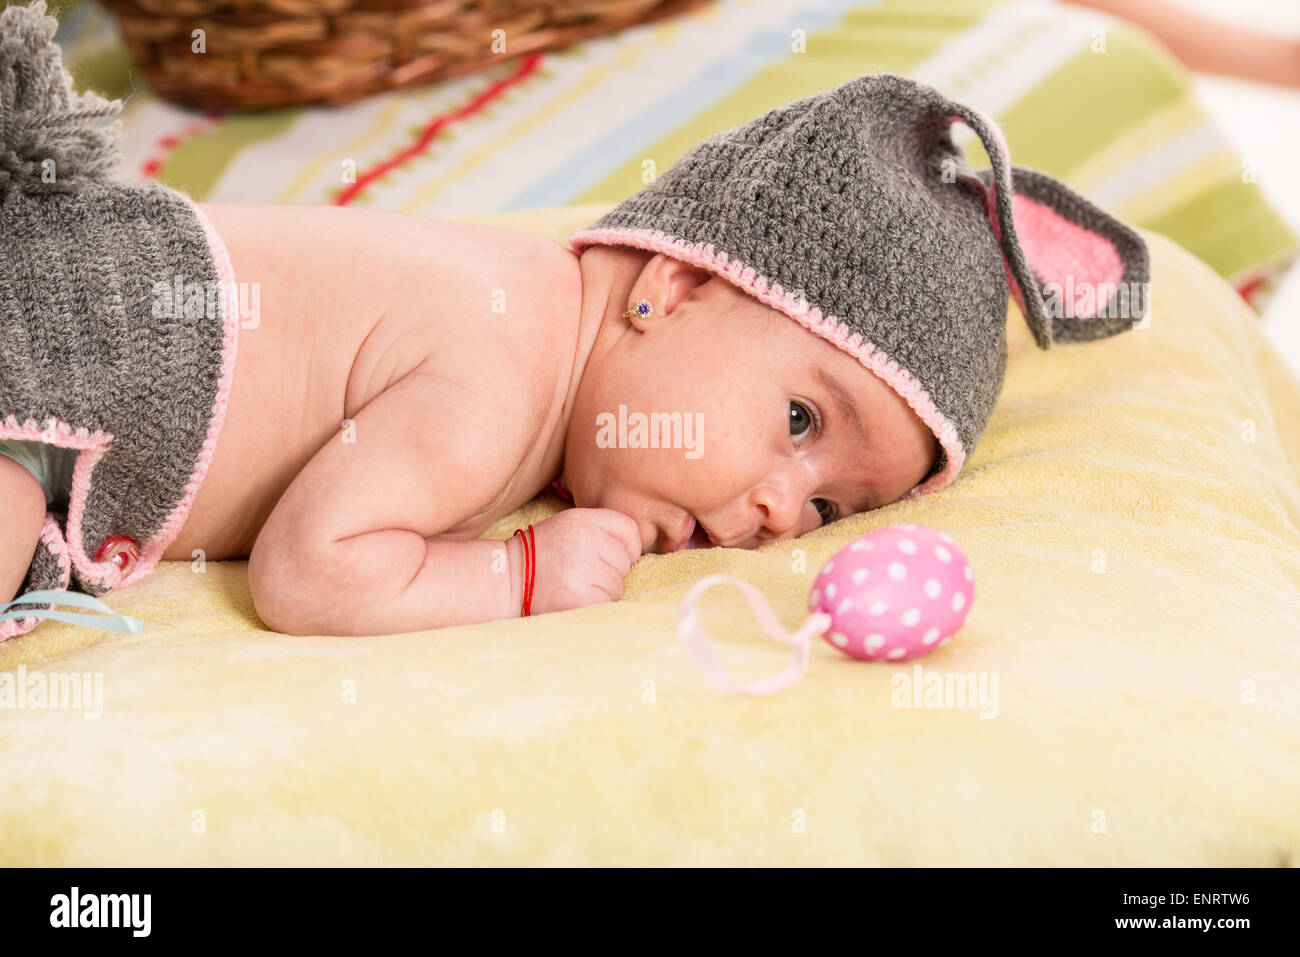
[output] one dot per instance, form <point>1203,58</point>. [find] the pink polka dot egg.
<point>895,593</point>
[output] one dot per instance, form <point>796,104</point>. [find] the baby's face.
<point>771,430</point>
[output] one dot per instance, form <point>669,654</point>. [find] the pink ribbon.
<point>697,642</point>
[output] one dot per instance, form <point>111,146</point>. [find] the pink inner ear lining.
<point>1056,248</point>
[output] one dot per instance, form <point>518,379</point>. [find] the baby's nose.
<point>779,508</point>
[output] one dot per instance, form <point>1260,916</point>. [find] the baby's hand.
<point>582,556</point>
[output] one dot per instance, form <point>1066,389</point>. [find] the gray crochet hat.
<point>853,212</point>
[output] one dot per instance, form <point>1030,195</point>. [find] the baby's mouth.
<point>699,537</point>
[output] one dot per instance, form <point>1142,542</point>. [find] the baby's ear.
<point>1080,272</point>
<point>675,279</point>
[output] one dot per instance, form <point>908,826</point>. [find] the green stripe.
<point>1087,102</point>
<point>1230,227</point>
<point>195,166</point>
<point>888,37</point>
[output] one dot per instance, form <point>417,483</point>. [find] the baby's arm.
<point>350,550</point>
<point>344,551</point>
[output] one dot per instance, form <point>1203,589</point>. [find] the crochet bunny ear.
<point>1076,272</point>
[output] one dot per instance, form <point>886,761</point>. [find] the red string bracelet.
<point>558,489</point>
<point>532,575</point>
<point>530,568</point>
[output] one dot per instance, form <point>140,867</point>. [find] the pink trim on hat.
<point>831,328</point>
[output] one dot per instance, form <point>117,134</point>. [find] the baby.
<point>804,318</point>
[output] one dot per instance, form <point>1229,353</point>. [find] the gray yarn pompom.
<point>51,140</point>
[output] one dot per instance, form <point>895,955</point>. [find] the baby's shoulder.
<point>495,323</point>
<point>504,302</point>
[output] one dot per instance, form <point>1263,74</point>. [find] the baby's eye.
<point>802,421</point>
<point>825,509</point>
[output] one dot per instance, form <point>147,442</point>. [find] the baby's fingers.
<point>623,529</point>
<point>609,584</point>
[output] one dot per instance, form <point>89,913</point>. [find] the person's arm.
<point>347,549</point>
<point>1210,45</point>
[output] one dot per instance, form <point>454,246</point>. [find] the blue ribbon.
<point>114,622</point>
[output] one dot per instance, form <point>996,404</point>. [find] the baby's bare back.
<point>338,305</point>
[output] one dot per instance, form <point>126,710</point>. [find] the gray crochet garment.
<point>91,356</point>
<point>852,212</point>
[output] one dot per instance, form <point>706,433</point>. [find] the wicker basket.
<point>268,53</point>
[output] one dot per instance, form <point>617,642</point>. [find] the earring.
<point>642,309</point>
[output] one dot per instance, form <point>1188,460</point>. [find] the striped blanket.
<point>1080,95</point>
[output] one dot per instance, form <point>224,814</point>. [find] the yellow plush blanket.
<point>1133,517</point>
